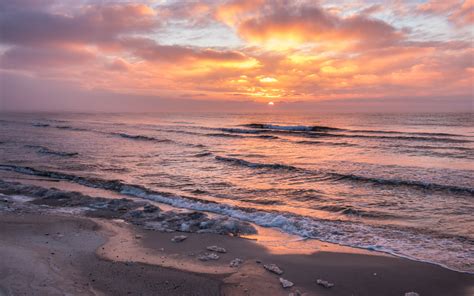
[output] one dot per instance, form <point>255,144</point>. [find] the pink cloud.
<point>44,58</point>
<point>90,24</point>
<point>460,13</point>
<point>464,15</point>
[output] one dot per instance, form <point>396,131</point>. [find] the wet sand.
<point>51,254</point>
<point>56,255</point>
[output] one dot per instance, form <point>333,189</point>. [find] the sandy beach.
<point>46,253</point>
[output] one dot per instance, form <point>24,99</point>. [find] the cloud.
<point>30,57</point>
<point>286,51</point>
<point>93,24</point>
<point>287,24</point>
<point>372,9</point>
<point>118,64</point>
<point>460,13</point>
<point>150,50</point>
<point>464,15</point>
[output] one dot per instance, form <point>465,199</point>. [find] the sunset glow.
<point>242,50</point>
<point>237,147</point>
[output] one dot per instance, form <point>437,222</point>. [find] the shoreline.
<point>146,256</point>
<point>92,192</point>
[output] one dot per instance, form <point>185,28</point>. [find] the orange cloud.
<point>289,50</point>
<point>231,12</point>
<point>287,25</point>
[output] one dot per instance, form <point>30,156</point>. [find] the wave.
<point>459,148</point>
<point>241,131</point>
<point>113,185</point>
<point>140,137</point>
<point>222,135</point>
<point>63,127</point>
<point>327,143</point>
<point>225,135</point>
<point>406,133</point>
<point>45,150</point>
<point>325,131</point>
<point>249,164</point>
<point>407,138</point>
<point>338,177</point>
<point>352,211</point>
<point>295,128</point>
<point>77,129</point>
<point>456,250</point>
<point>408,183</point>
<point>40,124</point>
<point>127,136</point>
<point>203,154</point>
<point>263,201</point>
<point>267,137</point>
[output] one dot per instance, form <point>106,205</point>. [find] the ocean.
<point>396,183</point>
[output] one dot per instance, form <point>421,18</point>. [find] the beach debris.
<point>324,283</point>
<point>138,236</point>
<point>258,261</point>
<point>236,262</point>
<point>411,294</point>
<point>295,293</point>
<point>145,214</point>
<point>273,268</point>
<point>185,227</point>
<point>179,238</point>
<point>194,222</point>
<point>208,257</point>
<point>286,283</point>
<point>216,249</point>
<point>234,226</point>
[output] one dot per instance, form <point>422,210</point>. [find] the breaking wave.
<point>325,131</point>
<point>295,128</point>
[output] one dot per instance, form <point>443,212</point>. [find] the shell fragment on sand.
<point>324,283</point>
<point>216,249</point>
<point>412,294</point>
<point>273,268</point>
<point>285,283</point>
<point>179,238</point>
<point>208,257</point>
<point>236,262</point>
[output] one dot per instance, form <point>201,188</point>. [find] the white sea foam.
<point>449,252</point>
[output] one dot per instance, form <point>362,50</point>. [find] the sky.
<point>212,55</point>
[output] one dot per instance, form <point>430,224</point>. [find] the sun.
<point>271,103</point>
